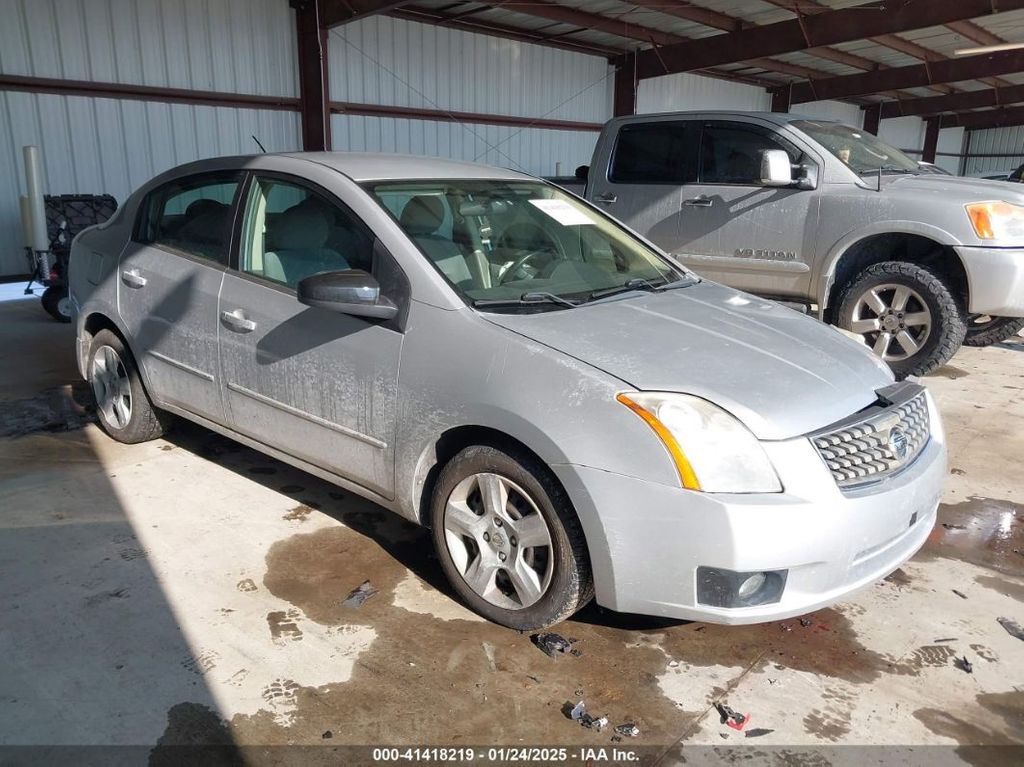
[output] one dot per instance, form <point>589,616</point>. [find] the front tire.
<point>508,538</point>
<point>906,314</point>
<point>983,330</point>
<point>123,407</point>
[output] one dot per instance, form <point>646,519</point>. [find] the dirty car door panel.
<point>315,383</point>
<point>168,280</point>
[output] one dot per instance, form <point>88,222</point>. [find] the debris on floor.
<point>327,735</point>
<point>944,639</point>
<point>554,645</point>
<point>732,718</point>
<point>757,732</point>
<point>805,622</point>
<point>360,594</point>
<point>960,594</point>
<point>578,713</point>
<point>628,729</point>
<point>950,526</point>
<point>1012,628</point>
<point>963,664</point>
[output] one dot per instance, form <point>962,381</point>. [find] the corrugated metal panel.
<point>530,150</point>
<point>383,60</point>
<point>903,132</point>
<point>951,141</point>
<point>239,46</point>
<point>851,114</point>
<point>94,146</point>
<point>684,91</point>
<point>999,141</point>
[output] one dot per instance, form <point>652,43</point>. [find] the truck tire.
<point>484,498</point>
<point>57,303</point>
<point>983,330</point>
<point>906,314</point>
<point>123,407</point>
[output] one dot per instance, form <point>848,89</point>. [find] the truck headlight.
<point>996,220</point>
<point>712,451</point>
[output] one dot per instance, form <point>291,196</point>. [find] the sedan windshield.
<point>860,150</point>
<point>522,246</point>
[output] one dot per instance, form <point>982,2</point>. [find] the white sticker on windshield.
<point>563,212</point>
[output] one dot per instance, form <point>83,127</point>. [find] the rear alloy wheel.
<point>124,409</point>
<point>508,540</point>
<point>984,330</point>
<point>906,314</point>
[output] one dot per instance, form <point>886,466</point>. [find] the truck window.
<point>653,153</point>
<point>730,153</point>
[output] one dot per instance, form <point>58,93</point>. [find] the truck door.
<point>641,182</point>
<point>737,231</point>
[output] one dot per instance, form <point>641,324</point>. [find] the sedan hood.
<point>781,373</point>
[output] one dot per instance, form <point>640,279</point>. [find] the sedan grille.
<point>879,441</point>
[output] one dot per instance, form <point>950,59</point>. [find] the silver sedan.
<point>573,414</point>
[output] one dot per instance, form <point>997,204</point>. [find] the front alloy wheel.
<point>498,541</point>
<point>894,320</point>
<point>508,538</point>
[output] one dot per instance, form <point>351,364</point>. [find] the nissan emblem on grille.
<point>886,439</point>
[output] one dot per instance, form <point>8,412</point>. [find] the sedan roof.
<point>365,166</point>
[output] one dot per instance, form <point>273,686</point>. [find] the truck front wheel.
<point>983,330</point>
<point>906,314</point>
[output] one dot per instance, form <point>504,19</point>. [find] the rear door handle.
<point>607,198</point>
<point>237,321</point>
<point>133,279</point>
<point>702,201</point>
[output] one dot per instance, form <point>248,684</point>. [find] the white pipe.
<point>39,239</point>
<point>26,221</point>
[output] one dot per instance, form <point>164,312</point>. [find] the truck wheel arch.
<point>912,242</point>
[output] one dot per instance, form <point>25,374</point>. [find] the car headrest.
<point>202,207</point>
<point>301,227</point>
<point>423,214</point>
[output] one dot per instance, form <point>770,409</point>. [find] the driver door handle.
<point>133,279</point>
<point>701,201</point>
<point>237,321</point>
<point>607,198</point>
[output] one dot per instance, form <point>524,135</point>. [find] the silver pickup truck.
<point>825,215</point>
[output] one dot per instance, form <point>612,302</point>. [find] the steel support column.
<point>314,88</point>
<point>872,117</point>
<point>624,100</point>
<point>931,138</point>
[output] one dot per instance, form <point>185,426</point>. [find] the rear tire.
<point>524,584</point>
<point>57,303</point>
<point>983,330</point>
<point>906,314</point>
<point>123,407</point>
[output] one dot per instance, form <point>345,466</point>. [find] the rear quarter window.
<point>190,215</point>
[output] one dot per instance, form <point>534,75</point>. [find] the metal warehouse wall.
<point>685,92</point>
<point>1001,141</point>
<point>382,60</point>
<point>95,145</point>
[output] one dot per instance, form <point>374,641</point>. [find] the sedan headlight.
<point>996,220</point>
<point>712,450</point>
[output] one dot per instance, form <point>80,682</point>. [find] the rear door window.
<point>191,216</point>
<point>654,153</point>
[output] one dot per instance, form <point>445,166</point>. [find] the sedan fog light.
<point>728,588</point>
<point>750,586</point>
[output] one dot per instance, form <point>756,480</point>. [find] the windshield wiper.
<point>533,297</point>
<point>639,283</point>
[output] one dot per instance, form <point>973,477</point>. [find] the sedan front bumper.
<point>647,540</point>
<point>995,278</point>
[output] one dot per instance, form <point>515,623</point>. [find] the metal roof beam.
<point>992,118</point>
<point>914,76</point>
<point>931,105</point>
<point>825,28</point>
<point>336,12</point>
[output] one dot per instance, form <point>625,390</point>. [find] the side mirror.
<point>776,168</point>
<point>351,291</point>
<point>582,172</point>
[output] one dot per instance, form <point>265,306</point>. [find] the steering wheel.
<point>526,236</point>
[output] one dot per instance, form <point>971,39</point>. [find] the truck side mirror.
<point>582,171</point>
<point>776,168</point>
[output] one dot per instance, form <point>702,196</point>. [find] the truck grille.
<point>879,441</point>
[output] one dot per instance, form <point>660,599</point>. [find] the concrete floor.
<point>190,590</point>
